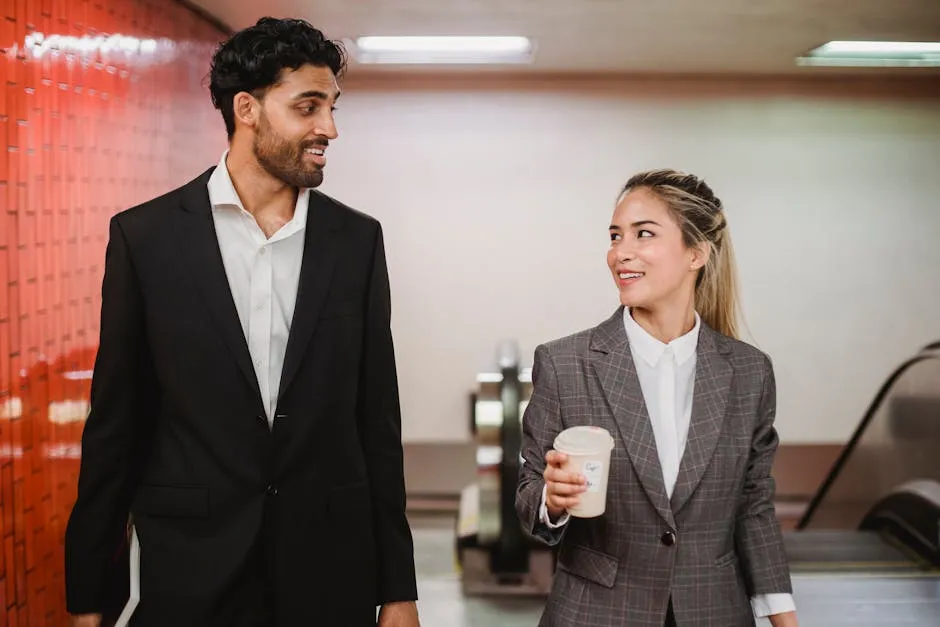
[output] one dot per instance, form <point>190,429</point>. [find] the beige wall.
<point>496,194</point>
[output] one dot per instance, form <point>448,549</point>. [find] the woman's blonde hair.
<point>701,218</point>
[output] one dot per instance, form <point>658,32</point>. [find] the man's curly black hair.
<point>252,60</point>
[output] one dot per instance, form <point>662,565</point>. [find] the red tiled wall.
<point>90,124</point>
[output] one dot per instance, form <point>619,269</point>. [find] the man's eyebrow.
<point>314,93</point>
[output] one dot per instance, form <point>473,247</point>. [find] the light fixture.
<point>442,49</point>
<point>873,54</point>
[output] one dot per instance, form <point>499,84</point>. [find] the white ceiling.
<point>624,36</point>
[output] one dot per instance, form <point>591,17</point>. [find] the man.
<point>244,408</point>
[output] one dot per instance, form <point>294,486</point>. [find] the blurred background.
<point>494,164</point>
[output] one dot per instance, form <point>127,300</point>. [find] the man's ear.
<point>247,109</point>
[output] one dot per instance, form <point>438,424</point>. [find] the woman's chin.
<point>631,300</point>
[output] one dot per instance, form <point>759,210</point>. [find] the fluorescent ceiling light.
<point>874,54</point>
<point>442,49</point>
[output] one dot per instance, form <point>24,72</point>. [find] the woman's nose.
<point>624,253</point>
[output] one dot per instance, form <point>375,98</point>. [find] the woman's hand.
<point>562,488</point>
<point>786,619</point>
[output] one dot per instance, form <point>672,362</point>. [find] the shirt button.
<point>262,251</point>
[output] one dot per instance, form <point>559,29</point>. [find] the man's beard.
<point>282,160</point>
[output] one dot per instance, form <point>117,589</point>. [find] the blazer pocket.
<point>341,309</point>
<point>731,557</point>
<point>589,564</point>
<point>172,501</point>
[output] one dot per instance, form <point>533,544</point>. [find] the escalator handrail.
<point>927,353</point>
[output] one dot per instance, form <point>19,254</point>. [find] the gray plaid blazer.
<point>715,543</point>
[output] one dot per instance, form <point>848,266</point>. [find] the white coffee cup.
<point>588,449</point>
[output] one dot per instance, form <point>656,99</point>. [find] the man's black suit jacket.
<point>177,436</point>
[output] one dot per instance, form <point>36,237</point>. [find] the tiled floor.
<point>822,600</point>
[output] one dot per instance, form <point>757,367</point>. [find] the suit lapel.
<point>316,270</point>
<point>614,367</point>
<point>713,375</point>
<point>202,260</point>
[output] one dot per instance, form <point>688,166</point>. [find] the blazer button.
<point>668,538</point>
<point>271,489</point>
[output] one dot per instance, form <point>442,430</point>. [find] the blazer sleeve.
<point>757,535</point>
<point>380,431</point>
<point>124,398</point>
<point>540,424</point>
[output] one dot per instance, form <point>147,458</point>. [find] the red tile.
<point>22,612</point>
<point>5,70</point>
<point>4,153</point>
<point>13,325</point>
<point>5,375</point>
<point>4,281</point>
<point>8,558</point>
<point>7,27</point>
<point>29,542</point>
<point>70,157</point>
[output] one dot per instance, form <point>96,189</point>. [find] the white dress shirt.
<point>263,275</point>
<point>667,376</point>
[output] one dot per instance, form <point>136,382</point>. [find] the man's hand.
<point>562,489</point>
<point>399,614</point>
<point>86,620</point>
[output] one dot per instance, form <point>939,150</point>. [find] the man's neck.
<point>260,193</point>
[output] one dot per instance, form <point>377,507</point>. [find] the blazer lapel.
<point>713,375</point>
<point>616,372</point>
<point>202,261</point>
<point>320,247</point>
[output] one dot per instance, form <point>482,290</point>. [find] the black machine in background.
<point>495,555</point>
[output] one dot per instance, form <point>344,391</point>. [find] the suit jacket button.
<point>271,489</point>
<point>668,538</point>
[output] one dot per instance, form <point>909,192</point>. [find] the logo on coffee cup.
<point>592,473</point>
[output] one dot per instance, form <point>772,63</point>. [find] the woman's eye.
<point>644,233</point>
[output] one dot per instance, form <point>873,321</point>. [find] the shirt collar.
<point>222,193</point>
<point>651,349</point>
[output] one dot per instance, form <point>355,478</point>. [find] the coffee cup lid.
<point>584,440</point>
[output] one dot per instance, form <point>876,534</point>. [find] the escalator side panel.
<point>896,441</point>
<point>878,510</point>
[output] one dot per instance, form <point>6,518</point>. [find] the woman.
<point>689,536</point>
